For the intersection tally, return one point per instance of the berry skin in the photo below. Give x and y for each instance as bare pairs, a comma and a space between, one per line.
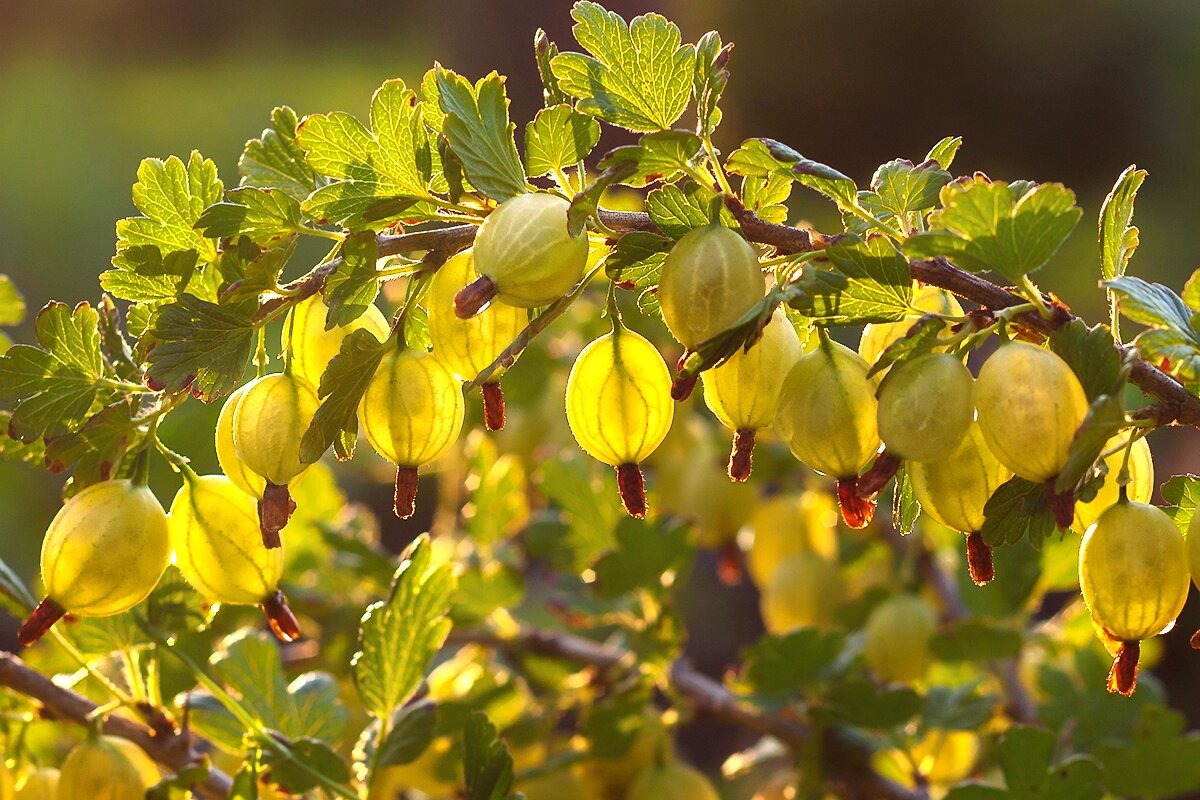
1133, 570
619, 407
897, 635
234, 468
524, 255
1029, 405
743, 392
103, 554
710, 278
925, 407
673, 781
467, 346
41, 784
803, 592
312, 347
411, 413
877, 337
107, 768
1140, 488
787, 524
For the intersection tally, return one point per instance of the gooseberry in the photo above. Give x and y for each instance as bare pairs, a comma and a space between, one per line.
107, 768
828, 415
619, 407
40, 784
468, 346
897, 636
524, 254
1134, 576
787, 524
803, 592
877, 337
925, 407
268, 423
311, 345
673, 780
103, 554
215, 534
743, 392
411, 413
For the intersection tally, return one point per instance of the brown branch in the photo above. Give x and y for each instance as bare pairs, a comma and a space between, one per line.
852, 770
175, 751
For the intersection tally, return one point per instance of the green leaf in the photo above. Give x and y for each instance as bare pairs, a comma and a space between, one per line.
12, 304
585, 203
276, 160
591, 511
1161, 761
921, 338
984, 225
643, 556
1027, 759
792, 663
1152, 304
411, 730
1018, 509
480, 133
677, 210
500, 501
486, 761
906, 508
294, 772
638, 76
262, 214
95, 451
354, 285
902, 188
544, 52
1118, 234
657, 157
819, 177
712, 75
143, 274
1093, 356
54, 386
343, 385
859, 701
484, 588
171, 196
636, 263
1182, 493
261, 273
558, 137
944, 151
1105, 419
174, 607
872, 283
201, 343
956, 708
976, 639
400, 636
1073, 696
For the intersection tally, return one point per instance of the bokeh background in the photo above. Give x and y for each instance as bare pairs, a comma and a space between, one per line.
1070, 91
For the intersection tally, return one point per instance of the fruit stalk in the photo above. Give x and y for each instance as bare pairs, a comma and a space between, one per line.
39, 622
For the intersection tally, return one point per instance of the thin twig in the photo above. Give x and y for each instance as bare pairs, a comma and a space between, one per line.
852, 772
176, 751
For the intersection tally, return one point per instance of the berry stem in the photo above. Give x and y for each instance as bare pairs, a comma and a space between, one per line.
472, 298
274, 511
35, 627
682, 386
741, 457
632, 488
281, 619
856, 511
979, 559
493, 405
1123, 677
405, 504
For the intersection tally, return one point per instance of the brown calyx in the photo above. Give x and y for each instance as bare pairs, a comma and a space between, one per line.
741, 457
493, 405
632, 488
979, 559
405, 504
856, 511
730, 564
871, 482
1062, 506
472, 298
39, 622
682, 386
274, 511
1123, 677
281, 619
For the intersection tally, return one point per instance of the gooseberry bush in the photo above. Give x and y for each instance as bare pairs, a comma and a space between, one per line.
980, 636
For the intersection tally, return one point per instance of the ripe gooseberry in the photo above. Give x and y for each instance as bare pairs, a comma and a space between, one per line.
743, 392
468, 346
311, 345
1134, 576
524, 254
787, 524
411, 413
955, 490
1141, 480
897, 636
925, 407
673, 780
103, 554
215, 534
828, 415
41, 784
802, 592
1029, 405
1192, 546
619, 407
268, 423
107, 768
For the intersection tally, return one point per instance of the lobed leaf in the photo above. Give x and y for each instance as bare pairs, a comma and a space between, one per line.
276, 160
171, 196
557, 138
480, 134
202, 344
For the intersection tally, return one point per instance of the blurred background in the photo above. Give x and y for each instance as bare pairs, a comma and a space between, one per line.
1069, 91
